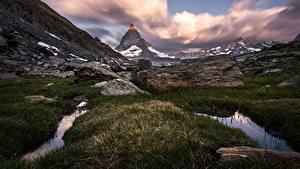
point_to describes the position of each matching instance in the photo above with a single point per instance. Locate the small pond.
(253, 131)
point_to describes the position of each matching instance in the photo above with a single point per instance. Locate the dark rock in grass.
(290, 82)
(240, 153)
(121, 87)
(8, 76)
(3, 42)
(100, 74)
(211, 72)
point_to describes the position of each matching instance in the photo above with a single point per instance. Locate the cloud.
(245, 18)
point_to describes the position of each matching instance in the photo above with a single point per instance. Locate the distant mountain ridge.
(236, 47)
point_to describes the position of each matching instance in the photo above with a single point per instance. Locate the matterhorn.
(134, 47)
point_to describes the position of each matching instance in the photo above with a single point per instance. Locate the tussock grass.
(152, 134)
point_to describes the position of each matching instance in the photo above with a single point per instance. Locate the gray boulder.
(39, 98)
(290, 82)
(119, 87)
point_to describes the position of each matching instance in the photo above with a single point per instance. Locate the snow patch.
(54, 36)
(193, 50)
(159, 54)
(49, 48)
(133, 51)
(254, 49)
(78, 58)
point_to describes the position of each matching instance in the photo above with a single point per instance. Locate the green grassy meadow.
(157, 131)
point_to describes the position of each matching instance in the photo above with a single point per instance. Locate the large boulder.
(100, 74)
(210, 72)
(119, 87)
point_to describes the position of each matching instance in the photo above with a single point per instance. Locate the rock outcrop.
(121, 87)
(240, 153)
(100, 74)
(210, 72)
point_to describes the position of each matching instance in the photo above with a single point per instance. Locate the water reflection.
(57, 141)
(255, 132)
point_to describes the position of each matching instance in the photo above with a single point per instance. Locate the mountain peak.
(132, 27)
(239, 39)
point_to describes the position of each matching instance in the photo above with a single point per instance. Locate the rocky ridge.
(40, 14)
(236, 47)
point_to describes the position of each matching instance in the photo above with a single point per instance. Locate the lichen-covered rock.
(210, 72)
(119, 87)
(240, 153)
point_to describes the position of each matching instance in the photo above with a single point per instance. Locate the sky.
(184, 23)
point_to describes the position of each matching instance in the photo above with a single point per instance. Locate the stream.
(256, 133)
(57, 141)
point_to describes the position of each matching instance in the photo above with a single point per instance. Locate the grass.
(157, 131)
(25, 125)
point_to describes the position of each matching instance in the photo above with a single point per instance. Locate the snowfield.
(159, 54)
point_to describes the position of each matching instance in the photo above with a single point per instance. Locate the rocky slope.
(237, 47)
(134, 47)
(38, 13)
(277, 59)
(210, 72)
(27, 46)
